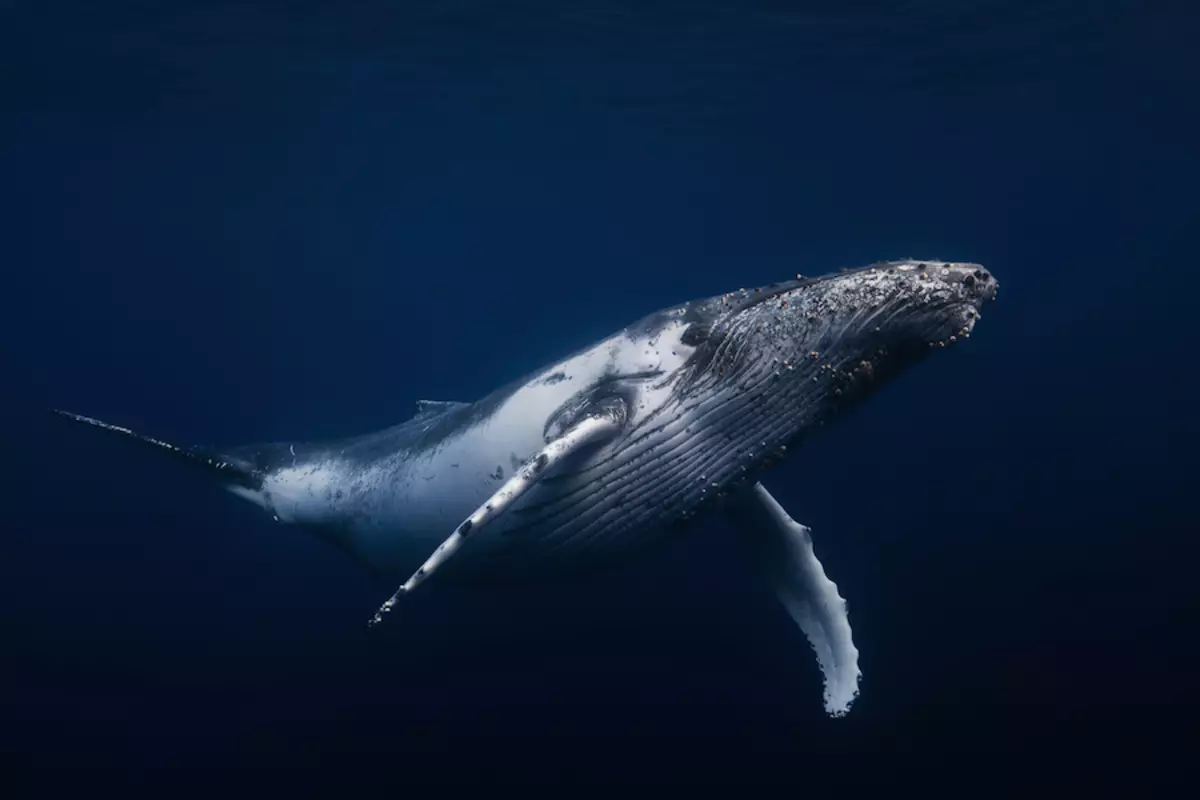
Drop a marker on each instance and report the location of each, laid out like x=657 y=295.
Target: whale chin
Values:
x=948 y=325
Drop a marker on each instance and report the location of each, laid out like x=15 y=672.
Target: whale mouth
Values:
x=951 y=323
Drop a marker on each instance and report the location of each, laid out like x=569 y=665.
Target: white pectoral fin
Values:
x=785 y=553
x=587 y=431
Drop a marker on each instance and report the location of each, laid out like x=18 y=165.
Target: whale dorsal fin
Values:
x=426 y=408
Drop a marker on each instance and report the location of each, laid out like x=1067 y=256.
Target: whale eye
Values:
x=697 y=334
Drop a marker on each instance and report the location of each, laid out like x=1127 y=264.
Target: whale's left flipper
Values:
x=785 y=552
x=590 y=430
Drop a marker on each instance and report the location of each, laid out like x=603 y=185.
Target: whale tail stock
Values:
x=230 y=470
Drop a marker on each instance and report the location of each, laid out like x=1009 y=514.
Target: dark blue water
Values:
x=239 y=221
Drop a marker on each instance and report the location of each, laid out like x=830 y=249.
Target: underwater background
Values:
x=227 y=222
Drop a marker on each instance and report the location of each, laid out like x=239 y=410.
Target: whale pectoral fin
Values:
x=784 y=550
x=590 y=430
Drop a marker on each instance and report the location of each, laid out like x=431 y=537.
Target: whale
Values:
x=622 y=444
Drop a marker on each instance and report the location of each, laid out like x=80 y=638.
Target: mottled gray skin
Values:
x=752 y=373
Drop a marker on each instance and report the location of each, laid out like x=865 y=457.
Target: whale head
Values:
x=856 y=328
x=772 y=364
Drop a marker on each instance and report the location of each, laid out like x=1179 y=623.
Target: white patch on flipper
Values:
x=587 y=431
x=812 y=599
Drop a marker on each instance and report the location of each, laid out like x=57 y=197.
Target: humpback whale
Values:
x=621 y=444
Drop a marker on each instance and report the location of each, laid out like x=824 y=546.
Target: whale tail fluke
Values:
x=230 y=470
